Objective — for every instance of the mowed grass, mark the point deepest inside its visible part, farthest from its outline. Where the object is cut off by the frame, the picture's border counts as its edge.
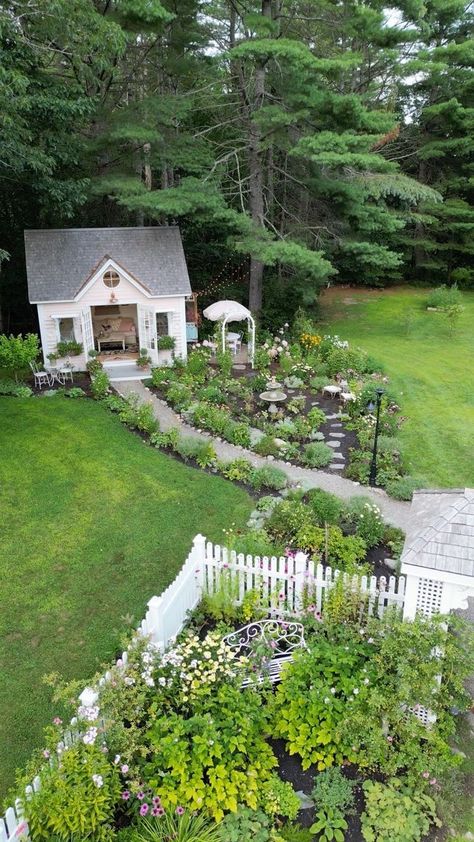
(431, 368)
(93, 523)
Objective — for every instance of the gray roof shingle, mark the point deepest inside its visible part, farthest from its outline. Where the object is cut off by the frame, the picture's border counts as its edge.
(60, 261)
(440, 532)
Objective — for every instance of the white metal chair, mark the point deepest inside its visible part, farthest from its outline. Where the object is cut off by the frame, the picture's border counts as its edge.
(42, 377)
(65, 373)
(234, 342)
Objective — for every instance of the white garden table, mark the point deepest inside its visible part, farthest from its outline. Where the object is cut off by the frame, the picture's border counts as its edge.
(332, 391)
(347, 397)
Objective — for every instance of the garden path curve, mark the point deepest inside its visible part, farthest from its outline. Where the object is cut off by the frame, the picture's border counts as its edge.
(394, 512)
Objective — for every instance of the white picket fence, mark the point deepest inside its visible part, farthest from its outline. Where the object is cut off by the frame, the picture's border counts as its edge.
(284, 585)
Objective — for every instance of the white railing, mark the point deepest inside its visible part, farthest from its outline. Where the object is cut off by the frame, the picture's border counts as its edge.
(283, 584)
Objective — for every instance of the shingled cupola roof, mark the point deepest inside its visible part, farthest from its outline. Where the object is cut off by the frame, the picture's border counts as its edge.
(440, 533)
(60, 261)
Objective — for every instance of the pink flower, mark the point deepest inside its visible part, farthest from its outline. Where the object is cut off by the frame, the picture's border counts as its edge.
(179, 811)
(140, 795)
(426, 774)
(160, 811)
(125, 795)
(156, 800)
(46, 753)
(281, 596)
(144, 809)
(155, 811)
(390, 739)
(433, 782)
(124, 769)
(57, 721)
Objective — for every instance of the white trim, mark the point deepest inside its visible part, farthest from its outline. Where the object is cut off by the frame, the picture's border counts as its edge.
(73, 300)
(65, 316)
(73, 318)
(122, 274)
(422, 572)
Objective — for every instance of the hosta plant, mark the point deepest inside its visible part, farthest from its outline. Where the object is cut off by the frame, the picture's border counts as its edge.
(330, 825)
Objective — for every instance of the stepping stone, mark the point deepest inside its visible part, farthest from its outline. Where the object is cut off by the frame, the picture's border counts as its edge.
(334, 443)
(305, 801)
(337, 466)
(336, 424)
(239, 367)
(338, 435)
(339, 456)
(334, 415)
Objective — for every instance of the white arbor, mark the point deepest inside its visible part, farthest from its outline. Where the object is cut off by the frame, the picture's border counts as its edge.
(232, 311)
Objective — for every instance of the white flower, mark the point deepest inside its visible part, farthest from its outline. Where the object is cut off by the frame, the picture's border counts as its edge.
(333, 690)
(355, 691)
(88, 713)
(90, 737)
(117, 759)
(149, 682)
(129, 680)
(162, 681)
(327, 700)
(366, 681)
(98, 780)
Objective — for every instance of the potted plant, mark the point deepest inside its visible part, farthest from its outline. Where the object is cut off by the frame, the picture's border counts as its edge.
(69, 349)
(165, 348)
(143, 360)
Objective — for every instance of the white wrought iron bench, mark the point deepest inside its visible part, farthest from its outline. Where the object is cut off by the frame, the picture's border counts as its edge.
(271, 642)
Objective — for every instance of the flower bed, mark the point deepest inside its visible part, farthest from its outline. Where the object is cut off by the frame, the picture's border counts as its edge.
(171, 742)
(308, 427)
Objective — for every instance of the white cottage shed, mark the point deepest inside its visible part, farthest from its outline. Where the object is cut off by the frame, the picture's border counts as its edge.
(108, 288)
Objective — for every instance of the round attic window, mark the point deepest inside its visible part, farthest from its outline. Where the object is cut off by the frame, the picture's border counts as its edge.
(111, 279)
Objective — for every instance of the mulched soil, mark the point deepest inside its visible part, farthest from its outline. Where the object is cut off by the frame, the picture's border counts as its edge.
(290, 769)
(81, 380)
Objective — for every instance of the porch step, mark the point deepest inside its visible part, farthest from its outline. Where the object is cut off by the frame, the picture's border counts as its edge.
(125, 371)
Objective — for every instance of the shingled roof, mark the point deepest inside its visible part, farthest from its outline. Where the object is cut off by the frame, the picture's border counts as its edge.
(440, 533)
(60, 261)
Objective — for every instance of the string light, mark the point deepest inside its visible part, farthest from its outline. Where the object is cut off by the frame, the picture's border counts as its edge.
(235, 275)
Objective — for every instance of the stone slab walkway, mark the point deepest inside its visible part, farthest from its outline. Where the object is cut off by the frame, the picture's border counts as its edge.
(394, 512)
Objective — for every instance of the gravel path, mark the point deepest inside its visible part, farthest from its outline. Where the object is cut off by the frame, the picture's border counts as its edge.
(394, 512)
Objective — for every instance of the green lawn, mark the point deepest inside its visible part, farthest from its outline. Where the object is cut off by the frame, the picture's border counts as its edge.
(93, 524)
(432, 369)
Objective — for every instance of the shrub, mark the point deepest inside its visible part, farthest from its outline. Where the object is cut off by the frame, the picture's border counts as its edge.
(326, 507)
(344, 360)
(198, 363)
(237, 432)
(74, 392)
(212, 393)
(114, 402)
(138, 415)
(179, 395)
(296, 833)
(100, 385)
(246, 825)
(257, 542)
(316, 417)
(333, 790)
(210, 417)
(191, 448)
(268, 477)
(394, 815)
(267, 447)
(317, 454)
(166, 343)
(224, 362)
(344, 552)
(92, 366)
(403, 487)
(366, 518)
(261, 359)
(17, 352)
(287, 518)
(318, 382)
(267, 504)
(71, 803)
(444, 296)
(163, 374)
(278, 798)
(239, 470)
(17, 390)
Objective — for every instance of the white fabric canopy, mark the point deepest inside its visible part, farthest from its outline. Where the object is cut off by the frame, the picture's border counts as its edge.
(232, 311)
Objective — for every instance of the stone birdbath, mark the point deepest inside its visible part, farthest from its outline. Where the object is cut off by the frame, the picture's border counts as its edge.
(273, 396)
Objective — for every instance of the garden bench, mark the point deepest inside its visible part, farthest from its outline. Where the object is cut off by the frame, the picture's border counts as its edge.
(273, 640)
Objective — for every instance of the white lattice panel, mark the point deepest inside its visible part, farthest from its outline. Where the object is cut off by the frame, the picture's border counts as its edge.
(429, 596)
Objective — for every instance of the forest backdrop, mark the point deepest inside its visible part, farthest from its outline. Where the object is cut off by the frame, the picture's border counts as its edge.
(296, 142)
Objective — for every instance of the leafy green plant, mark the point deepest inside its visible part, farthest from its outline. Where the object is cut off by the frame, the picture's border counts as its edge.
(138, 415)
(192, 448)
(214, 759)
(278, 798)
(245, 825)
(179, 395)
(326, 507)
(237, 433)
(16, 352)
(100, 385)
(143, 359)
(392, 814)
(198, 364)
(296, 833)
(268, 477)
(69, 349)
(444, 296)
(366, 519)
(317, 454)
(267, 447)
(173, 827)
(74, 392)
(402, 488)
(334, 791)
(224, 362)
(316, 417)
(17, 390)
(77, 797)
(329, 825)
(166, 343)
(238, 470)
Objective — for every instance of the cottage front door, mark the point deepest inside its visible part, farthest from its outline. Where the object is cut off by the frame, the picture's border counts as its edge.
(147, 331)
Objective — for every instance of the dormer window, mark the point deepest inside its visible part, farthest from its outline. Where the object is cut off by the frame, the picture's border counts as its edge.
(111, 278)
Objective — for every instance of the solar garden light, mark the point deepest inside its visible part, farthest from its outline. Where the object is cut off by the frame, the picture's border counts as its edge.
(373, 465)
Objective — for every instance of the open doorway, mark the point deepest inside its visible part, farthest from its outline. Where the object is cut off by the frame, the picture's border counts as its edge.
(115, 329)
